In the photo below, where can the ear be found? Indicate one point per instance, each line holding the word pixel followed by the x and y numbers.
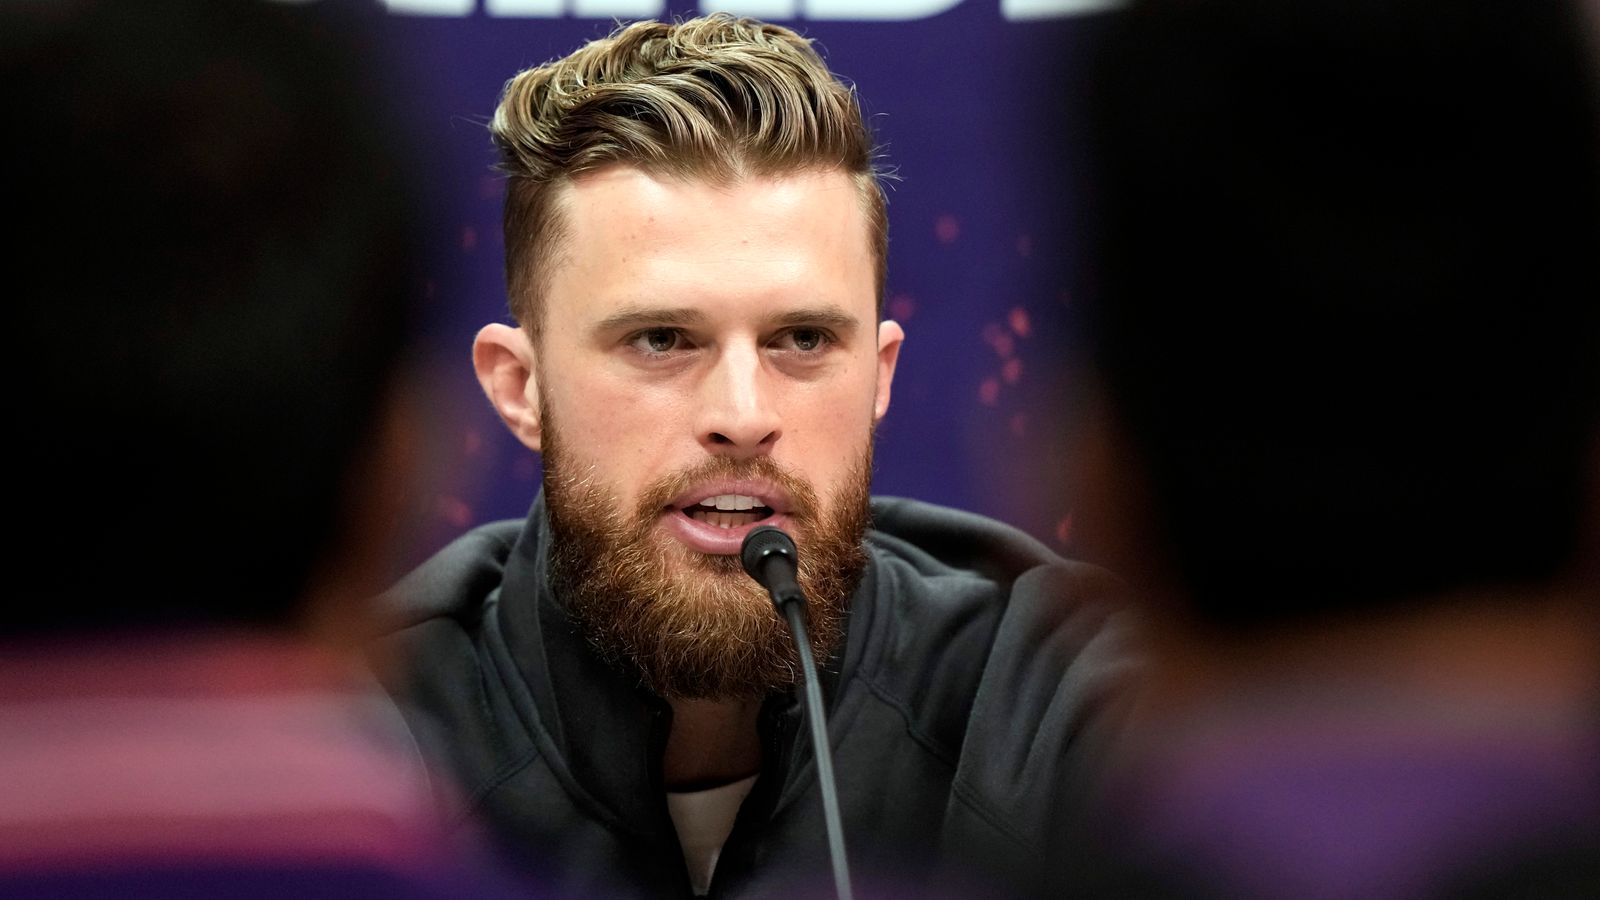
pixel 890 337
pixel 506 365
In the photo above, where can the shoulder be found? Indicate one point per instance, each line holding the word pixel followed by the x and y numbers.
pixel 971 617
pixel 433 654
pixel 938 537
pixel 432 617
pixel 1022 658
pixel 454 583
pixel 1017 656
pixel 927 550
pixel 935 568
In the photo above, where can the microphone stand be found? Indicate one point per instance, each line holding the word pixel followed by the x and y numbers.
pixel 769 557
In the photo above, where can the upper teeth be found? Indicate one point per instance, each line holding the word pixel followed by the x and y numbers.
pixel 730 501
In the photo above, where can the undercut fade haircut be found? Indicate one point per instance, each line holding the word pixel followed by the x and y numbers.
pixel 715 98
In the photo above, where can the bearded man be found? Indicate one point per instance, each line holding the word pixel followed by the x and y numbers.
pixel 695 243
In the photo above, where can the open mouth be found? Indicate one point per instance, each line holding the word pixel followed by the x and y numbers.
pixel 729 510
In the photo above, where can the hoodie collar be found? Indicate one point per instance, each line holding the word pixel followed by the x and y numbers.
pixel 608 729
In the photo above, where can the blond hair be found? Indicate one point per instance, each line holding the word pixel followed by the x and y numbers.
pixel 717 98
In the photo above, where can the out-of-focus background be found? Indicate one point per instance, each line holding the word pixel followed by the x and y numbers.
pixel 972 104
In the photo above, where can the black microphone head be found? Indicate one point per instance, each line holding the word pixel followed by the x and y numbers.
pixel 761 543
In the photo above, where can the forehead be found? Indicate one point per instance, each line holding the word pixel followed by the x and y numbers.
pixel 634 238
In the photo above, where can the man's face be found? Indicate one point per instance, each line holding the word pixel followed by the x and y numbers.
pixel 710 359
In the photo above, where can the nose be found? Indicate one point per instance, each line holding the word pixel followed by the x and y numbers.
pixel 738 409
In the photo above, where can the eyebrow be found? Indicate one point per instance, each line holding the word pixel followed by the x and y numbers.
pixel 833 317
pixel 830 316
pixel 643 317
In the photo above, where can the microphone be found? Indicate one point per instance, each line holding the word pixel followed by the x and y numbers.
pixel 770 557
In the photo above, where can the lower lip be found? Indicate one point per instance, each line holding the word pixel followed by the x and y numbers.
pixel 714 540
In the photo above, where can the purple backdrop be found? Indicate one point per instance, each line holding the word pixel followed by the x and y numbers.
pixel 973 108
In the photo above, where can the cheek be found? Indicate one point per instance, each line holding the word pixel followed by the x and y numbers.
pixel 843 406
pixel 617 427
pixel 829 427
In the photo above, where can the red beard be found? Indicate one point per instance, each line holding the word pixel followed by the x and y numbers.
pixel 695 626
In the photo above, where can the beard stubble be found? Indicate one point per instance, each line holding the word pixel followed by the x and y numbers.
pixel 691 625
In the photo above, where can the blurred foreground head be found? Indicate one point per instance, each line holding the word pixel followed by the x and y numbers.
pixel 211 276
pixel 1347 322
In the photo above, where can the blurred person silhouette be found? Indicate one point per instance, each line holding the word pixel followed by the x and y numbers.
pixel 1343 412
pixel 211 275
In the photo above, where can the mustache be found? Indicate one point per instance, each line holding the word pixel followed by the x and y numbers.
pixel 802 497
pixel 691 625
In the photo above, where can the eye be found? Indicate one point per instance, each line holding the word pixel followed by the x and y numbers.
pixel 805 340
pixel 657 340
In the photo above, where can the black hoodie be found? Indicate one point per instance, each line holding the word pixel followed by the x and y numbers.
pixel 975 667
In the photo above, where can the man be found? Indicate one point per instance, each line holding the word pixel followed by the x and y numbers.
pixel 1354 413
pixel 209 288
pixel 695 256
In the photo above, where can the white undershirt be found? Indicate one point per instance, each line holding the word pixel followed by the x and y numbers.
pixel 704 820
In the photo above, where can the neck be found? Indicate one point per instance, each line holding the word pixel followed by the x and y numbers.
pixel 713 742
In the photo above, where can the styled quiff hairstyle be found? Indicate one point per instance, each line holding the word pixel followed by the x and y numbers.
pixel 715 98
